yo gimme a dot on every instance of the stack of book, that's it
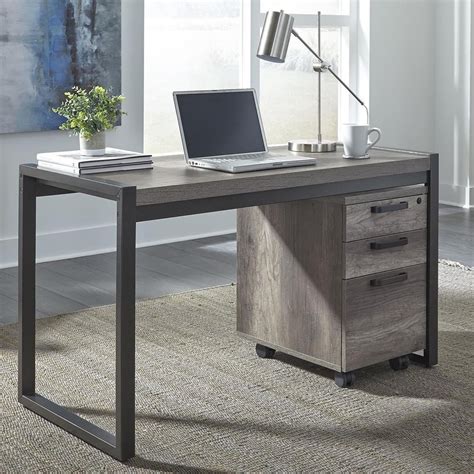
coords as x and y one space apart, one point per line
113 160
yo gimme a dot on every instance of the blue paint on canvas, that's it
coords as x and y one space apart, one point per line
48 46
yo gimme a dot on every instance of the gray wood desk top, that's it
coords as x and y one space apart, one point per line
171 180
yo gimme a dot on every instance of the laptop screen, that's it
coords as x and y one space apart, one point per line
220 123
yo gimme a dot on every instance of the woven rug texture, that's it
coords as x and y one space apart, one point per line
206 403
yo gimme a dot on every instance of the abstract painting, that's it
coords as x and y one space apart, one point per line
48 46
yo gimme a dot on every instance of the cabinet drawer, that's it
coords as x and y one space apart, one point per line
379 254
384 316
371 219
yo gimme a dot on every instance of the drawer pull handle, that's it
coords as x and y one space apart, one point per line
389 280
389 207
388 245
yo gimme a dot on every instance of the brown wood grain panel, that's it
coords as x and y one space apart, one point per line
360 259
362 223
172 180
289 276
383 322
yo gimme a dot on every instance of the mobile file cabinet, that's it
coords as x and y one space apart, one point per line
338 281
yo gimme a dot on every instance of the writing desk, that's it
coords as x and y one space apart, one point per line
169 190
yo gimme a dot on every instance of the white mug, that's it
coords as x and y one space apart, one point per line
355 138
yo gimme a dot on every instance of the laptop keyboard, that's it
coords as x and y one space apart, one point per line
252 156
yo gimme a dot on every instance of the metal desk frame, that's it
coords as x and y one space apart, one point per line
36 182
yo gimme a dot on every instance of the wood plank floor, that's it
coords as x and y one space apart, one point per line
456 234
79 283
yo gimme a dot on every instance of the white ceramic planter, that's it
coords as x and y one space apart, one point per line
95 146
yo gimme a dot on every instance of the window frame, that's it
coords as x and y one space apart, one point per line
252 20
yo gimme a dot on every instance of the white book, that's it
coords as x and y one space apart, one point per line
94 170
74 158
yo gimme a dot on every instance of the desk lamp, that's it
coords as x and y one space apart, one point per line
274 40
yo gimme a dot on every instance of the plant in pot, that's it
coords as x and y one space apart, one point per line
89 114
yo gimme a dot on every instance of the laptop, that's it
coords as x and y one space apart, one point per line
222 130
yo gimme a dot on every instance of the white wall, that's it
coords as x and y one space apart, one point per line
422 86
402 87
454 96
72 224
471 115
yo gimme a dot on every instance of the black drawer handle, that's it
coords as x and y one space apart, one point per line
389 207
388 245
389 280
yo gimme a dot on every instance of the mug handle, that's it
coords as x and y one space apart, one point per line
371 144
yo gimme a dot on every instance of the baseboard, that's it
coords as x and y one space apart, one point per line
455 195
94 240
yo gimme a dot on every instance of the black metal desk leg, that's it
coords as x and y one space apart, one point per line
431 351
26 285
125 324
122 445
430 354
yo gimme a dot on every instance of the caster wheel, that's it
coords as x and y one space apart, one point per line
399 363
264 352
344 379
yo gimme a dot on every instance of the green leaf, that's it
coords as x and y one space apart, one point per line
89 112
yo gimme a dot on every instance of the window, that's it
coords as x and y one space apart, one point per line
288 91
192 44
204 44
309 7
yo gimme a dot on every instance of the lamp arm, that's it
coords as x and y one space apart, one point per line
295 33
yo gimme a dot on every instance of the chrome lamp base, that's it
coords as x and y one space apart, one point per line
311 146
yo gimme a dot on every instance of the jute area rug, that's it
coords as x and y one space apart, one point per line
205 402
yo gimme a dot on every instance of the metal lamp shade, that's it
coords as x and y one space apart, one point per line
275 37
